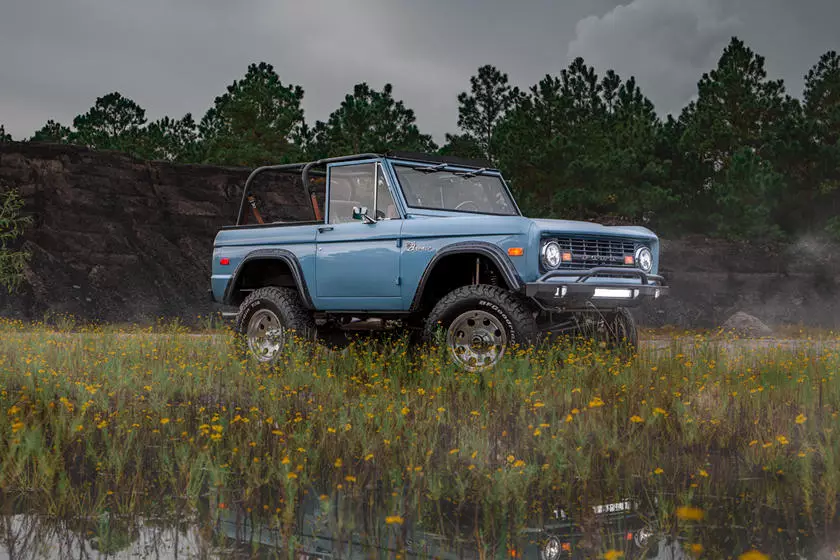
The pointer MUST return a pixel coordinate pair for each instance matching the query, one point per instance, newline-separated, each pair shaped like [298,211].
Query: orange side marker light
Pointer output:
[516,251]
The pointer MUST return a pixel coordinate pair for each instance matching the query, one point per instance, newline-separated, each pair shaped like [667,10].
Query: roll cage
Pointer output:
[317,168]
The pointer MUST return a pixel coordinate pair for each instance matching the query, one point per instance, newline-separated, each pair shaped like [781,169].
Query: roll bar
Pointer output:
[305,168]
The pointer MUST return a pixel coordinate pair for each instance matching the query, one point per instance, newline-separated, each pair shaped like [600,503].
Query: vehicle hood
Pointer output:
[578,227]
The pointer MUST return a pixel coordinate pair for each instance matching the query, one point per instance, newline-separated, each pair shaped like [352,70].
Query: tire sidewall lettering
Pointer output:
[499,312]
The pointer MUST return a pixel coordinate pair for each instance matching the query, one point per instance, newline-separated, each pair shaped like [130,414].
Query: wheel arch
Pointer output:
[492,253]
[276,262]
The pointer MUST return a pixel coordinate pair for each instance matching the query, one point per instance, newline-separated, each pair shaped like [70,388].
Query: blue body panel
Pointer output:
[378,267]
[356,263]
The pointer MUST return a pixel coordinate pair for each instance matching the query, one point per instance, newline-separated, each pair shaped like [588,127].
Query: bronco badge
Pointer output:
[411,246]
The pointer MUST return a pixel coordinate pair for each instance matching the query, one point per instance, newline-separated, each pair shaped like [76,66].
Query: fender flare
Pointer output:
[493,252]
[289,258]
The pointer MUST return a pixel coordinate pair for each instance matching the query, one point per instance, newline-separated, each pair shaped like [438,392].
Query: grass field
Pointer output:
[123,420]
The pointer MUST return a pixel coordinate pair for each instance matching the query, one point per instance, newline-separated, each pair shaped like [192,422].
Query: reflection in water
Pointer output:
[335,527]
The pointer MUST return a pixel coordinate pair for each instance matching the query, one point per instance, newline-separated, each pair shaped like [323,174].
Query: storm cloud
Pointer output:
[57,56]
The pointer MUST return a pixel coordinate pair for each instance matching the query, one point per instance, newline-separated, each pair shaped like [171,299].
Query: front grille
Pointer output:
[589,252]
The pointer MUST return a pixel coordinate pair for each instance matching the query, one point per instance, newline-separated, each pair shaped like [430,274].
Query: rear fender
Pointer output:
[283,255]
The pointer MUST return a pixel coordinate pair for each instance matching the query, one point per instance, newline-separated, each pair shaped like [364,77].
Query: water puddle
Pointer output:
[319,529]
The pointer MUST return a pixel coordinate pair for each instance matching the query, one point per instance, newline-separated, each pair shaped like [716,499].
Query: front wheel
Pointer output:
[481,323]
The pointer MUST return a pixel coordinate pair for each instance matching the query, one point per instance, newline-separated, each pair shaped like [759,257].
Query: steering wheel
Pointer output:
[458,207]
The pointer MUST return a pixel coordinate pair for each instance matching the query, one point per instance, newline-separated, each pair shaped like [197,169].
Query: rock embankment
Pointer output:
[124,240]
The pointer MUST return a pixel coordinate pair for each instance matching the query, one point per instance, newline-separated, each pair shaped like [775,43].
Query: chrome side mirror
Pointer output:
[361,213]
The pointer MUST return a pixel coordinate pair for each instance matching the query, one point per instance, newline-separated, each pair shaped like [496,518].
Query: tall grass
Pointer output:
[99,418]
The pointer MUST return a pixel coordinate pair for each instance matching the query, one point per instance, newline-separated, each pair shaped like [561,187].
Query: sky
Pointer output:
[175,56]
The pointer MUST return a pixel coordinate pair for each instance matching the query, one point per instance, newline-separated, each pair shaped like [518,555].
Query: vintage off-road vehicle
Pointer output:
[427,242]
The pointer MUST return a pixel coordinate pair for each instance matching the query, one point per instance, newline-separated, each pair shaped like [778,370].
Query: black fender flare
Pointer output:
[287,257]
[493,252]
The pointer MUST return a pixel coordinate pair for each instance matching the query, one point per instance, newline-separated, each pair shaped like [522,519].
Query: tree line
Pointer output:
[743,160]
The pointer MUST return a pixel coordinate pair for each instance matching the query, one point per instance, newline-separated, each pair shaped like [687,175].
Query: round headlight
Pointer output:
[552,549]
[644,258]
[551,254]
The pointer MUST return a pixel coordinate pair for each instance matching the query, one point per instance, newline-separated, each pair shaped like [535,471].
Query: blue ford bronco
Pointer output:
[429,244]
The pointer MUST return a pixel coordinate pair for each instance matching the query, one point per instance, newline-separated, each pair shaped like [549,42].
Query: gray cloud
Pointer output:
[57,56]
[666,44]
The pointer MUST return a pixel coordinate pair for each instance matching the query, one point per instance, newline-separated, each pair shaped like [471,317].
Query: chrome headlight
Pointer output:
[552,549]
[644,258]
[551,254]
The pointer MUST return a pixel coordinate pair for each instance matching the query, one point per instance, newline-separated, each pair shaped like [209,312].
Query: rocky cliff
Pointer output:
[125,240]
[120,239]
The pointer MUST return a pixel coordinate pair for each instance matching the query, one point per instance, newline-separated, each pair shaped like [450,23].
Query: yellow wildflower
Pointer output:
[690,513]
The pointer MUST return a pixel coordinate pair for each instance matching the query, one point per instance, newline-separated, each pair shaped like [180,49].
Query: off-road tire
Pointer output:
[514,313]
[618,331]
[285,304]
[631,330]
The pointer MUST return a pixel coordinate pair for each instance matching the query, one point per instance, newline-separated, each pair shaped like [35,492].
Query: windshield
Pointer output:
[454,190]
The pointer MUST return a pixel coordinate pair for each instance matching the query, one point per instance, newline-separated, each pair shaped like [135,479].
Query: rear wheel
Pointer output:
[480,324]
[267,320]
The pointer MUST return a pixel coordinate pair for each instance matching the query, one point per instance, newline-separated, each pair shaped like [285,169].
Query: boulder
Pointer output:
[745,324]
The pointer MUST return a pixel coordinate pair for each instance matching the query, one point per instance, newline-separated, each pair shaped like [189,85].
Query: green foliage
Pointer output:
[113,123]
[53,132]
[254,122]
[744,159]
[170,140]
[730,132]
[12,225]
[3,136]
[368,121]
[821,177]
[481,111]
[582,147]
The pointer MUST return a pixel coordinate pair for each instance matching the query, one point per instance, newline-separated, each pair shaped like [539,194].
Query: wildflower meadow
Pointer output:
[383,435]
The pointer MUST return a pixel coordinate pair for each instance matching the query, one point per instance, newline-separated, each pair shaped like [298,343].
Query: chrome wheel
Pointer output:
[477,339]
[266,335]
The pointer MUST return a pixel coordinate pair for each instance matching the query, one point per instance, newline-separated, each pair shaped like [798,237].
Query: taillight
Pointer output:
[224,261]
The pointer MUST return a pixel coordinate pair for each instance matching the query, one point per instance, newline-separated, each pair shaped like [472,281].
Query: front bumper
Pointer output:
[600,287]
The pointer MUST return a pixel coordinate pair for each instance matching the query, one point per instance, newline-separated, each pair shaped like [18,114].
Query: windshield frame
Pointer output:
[452,168]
